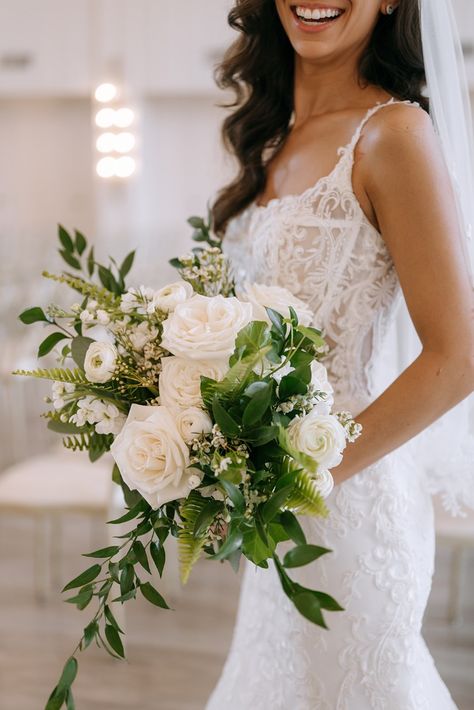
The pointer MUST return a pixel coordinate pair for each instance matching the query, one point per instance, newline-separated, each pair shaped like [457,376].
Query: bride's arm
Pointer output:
[407,183]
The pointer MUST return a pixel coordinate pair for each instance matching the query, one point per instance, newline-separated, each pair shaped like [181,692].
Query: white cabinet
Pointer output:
[184,40]
[44,47]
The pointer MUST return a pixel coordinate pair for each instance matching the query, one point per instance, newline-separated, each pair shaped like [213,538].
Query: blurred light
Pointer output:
[105,118]
[106,142]
[124,142]
[124,167]
[124,117]
[106,167]
[105,92]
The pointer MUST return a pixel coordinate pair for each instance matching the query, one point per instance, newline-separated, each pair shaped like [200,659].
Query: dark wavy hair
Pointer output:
[259,68]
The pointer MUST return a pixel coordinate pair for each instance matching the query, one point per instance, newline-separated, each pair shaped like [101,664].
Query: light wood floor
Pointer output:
[174,658]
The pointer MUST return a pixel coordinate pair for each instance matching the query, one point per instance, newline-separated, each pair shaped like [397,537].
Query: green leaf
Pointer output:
[56,699]
[303,555]
[153,596]
[254,548]
[313,335]
[141,555]
[140,507]
[293,316]
[292,527]
[196,223]
[274,504]
[260,436]
[232,543]
[79,348]
[127,579]
[127,264]
[82,599]
[277,320]
[90,632]
[206,516]
[33,315]
[258,405]
[158,556]
[253,338]
[80,241]
[115,642]
[90,262]
[65,239]
[291,385]
[227,424]
[325,600]
[111,618]
[234,494]
[70,705]
[286,583]
[104,552]
[84,578]
[70,259]
[309,606]
[68,675]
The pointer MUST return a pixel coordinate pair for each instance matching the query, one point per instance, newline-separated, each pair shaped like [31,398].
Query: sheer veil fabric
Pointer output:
[446,448]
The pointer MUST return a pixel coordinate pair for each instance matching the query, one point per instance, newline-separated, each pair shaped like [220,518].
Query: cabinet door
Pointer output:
[184,41]
[44,47]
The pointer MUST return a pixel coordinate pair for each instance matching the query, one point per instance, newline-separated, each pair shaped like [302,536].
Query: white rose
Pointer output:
[275,297]
[324,482]
[167,298]
[205,327]
[180,380]
[100,361]
[320,436]
[152,456]
[192,422]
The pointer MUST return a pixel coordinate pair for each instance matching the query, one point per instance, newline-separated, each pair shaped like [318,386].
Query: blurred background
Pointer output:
[109,123]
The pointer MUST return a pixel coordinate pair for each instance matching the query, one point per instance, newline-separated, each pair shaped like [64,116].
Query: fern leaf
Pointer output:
[306,499]
[74,377]
[190,546]
[97,444]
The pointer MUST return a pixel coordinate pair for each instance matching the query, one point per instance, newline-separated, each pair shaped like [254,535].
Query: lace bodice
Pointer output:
[321,246]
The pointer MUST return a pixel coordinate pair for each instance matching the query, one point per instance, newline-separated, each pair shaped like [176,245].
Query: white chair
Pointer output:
[458,534]
[48,487]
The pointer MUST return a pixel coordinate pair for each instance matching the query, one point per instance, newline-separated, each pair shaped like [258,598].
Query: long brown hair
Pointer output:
[259,68]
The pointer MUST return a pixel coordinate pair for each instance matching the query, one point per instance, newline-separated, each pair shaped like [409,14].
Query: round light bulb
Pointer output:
[124,142]
[105,118]
[105,93]
[106,142]
[124,117]
[106,167]
[124,167]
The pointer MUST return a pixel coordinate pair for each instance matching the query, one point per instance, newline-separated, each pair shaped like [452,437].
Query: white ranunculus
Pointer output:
[320,436]
[100,361]
[319,380]
[205,327]
[275,297]
[152,456]
[180,380]
[324,482]
[192,422]
[168,297]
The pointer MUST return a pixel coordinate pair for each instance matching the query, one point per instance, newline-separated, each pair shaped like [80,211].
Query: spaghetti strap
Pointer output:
[353,142]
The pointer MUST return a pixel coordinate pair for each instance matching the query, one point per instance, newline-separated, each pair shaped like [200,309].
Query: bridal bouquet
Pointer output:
[216,410]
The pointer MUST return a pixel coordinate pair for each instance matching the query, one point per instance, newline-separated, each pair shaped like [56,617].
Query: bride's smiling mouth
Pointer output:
[311,17]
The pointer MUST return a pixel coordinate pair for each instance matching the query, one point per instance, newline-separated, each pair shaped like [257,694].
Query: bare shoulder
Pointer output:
[398,139]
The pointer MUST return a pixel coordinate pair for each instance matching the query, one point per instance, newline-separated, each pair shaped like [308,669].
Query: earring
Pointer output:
[390,9]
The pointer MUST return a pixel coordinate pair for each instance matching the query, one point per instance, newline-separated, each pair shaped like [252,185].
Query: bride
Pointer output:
[344,198]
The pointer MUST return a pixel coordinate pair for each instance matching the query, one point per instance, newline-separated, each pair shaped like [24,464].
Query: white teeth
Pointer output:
[305,13]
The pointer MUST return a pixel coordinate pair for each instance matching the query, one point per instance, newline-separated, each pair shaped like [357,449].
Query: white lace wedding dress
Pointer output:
[321,246]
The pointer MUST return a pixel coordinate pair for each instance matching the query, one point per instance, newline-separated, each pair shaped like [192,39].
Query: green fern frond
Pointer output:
[190,546]
[306,499]
[74,377]
[102,295]
[95,443]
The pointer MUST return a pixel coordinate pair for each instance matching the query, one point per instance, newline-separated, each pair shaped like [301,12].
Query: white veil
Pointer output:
[445,450]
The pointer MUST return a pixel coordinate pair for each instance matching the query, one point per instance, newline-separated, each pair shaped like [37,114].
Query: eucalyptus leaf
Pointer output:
[65,239]
[158,556]
[115,642]
[33,315]
[309,606]
[293,527]
[68,675]
[50,342]
[127,264]
[153,596]
[84,578]
[80,242]
[104,552]
[70,259]
[141,555]
[79,348]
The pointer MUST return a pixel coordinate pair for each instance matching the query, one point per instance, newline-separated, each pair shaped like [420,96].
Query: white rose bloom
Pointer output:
[320,436]
[205,327]
[180,380]
[275,297]
[152,456]
[192,422]
[100,361]
[141,335]
[167,298]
